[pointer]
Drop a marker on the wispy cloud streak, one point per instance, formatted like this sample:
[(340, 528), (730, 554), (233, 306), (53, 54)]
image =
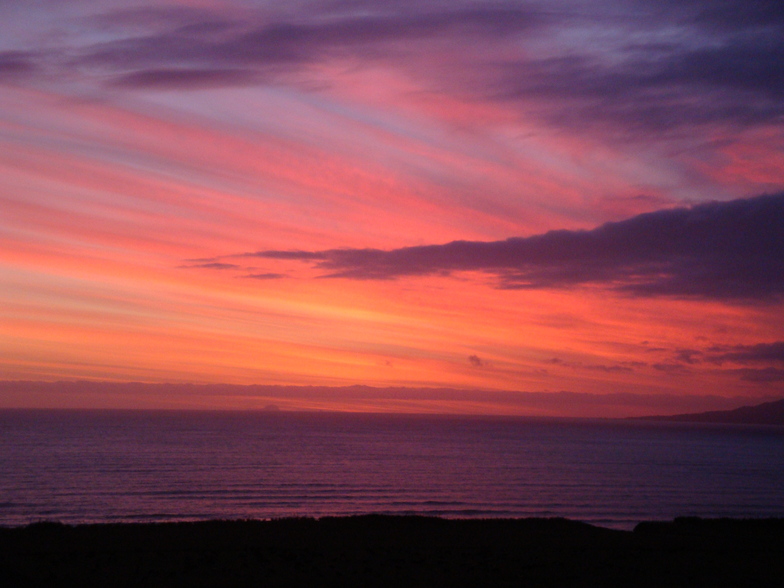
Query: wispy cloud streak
[(761, 352), (366, 398), (693, 63)]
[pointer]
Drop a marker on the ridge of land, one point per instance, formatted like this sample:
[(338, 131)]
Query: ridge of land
[(767, 413)]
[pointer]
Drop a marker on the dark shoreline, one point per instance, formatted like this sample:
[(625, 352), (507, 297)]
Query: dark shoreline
[(376, 550)]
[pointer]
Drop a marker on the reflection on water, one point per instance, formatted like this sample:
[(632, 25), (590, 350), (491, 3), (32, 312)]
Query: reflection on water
[(90, 466)]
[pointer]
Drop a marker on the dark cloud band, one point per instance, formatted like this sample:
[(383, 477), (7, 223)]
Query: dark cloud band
[(719, 250), (640, 70), (762, 352)]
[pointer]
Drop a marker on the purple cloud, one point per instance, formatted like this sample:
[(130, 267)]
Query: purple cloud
[(145, 18), (719, 250), (762, 352), (475, 361), (762, 376), (290, 255), (623, 367), (690, 356), (302, 40), (186, 79), (214, 265), (658, 89), (267, 276), (15, 64), (637, 69), (765, 356)]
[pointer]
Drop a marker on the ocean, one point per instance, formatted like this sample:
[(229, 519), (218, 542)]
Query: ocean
[(126, 466)]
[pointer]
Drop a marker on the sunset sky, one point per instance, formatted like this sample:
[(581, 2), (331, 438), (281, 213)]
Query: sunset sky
[(560, 207)]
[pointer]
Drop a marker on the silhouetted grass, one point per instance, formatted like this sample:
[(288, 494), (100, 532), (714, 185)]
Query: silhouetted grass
[(395, 551)]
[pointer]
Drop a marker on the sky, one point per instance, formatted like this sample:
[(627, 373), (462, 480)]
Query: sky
[(557, 208)]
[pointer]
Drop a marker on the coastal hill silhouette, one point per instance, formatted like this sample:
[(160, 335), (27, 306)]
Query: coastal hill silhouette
[(768, 413)]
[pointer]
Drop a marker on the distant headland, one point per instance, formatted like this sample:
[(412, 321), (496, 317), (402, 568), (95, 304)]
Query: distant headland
[(768, 413)]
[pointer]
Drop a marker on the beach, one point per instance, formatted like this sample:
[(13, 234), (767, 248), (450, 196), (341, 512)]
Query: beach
[(376, 550)]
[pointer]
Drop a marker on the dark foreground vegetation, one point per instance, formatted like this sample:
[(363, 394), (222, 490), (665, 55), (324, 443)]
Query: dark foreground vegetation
[(395, 551)]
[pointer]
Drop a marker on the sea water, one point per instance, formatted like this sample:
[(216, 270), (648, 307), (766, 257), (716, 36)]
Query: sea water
[(99, 466)]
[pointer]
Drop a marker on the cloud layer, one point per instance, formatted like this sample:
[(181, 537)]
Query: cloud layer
[(643, 69), (719, 250), (138, 141), (79, 394)]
